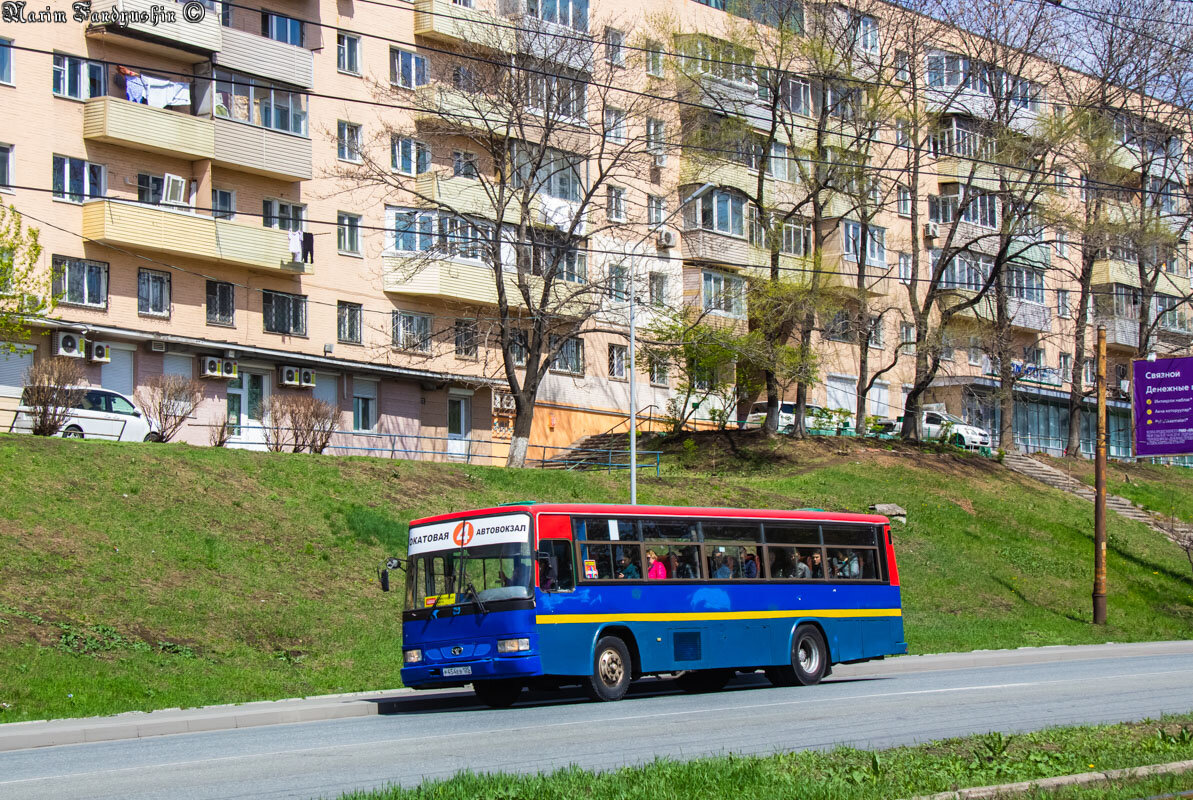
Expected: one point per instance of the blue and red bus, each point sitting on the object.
(554, 594)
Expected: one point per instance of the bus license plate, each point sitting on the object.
(449, 672)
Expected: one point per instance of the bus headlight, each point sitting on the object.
(512, 645)
(413, 656)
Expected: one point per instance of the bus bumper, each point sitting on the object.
(426, 676)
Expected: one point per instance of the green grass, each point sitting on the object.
(141, 577)
(846, 773)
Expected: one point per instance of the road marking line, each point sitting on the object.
(499, 731)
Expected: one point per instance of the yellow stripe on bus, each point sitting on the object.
(710, 616)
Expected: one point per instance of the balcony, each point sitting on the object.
(443, 109)
(142, 127)
(445, 21)
(1126, 273)
(441, 278)
(262, 151)
(1029, 316)
(181, 233)
(728, 251)
(1121, 330)
(729, 174)
(260, 55)
(955, 169)
(460, 195)
(159, 27)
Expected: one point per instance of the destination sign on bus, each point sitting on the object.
(469, 533)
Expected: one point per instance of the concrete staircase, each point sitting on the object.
(1120, 505)
(593, 452)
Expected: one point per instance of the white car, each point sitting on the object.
(938, 424)
(100, 414)
(757, 416)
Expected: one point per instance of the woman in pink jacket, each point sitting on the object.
(655, 569)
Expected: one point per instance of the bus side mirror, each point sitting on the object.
(383, 573)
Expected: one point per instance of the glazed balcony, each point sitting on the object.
(445, 21)
(142, 127)
(181, 233)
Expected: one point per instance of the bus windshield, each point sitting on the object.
(496, 572)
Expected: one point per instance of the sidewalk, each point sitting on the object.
(139, 724)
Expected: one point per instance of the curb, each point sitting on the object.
(1083, 779)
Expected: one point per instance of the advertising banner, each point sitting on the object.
(1162, 400)
(469, 533)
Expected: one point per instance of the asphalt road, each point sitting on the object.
(426, 737)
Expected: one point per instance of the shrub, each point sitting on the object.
(51, 391)
(168, 401)
(221, 431)
(300, 421)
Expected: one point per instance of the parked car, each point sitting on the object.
(757, 416)
(100, 414)
(939, 424)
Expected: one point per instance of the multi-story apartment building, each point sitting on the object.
(207, 187)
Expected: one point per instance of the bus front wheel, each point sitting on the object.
(497, 693)
(809, 659)
(611, 668)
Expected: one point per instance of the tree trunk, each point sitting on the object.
(1073, 445)
(800, 429)
(1006, 367)
(863, 374)
(772, 403)
(520, 441)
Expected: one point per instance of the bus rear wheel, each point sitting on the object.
(703, 680)
(498, 693)
(611, 670)
(809, 659)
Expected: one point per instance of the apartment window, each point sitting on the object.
(907, 337)
(5, 60)
(407, 69)
(778, 165)
(1063, 309)
(619, 284)
(1089, 372)
(1066, 365)
(348, 141)
(259, 102)
(903, 201)
(149, 188)
(364, 404)
(558, 175)
(519, 347)
(1025, 284)
(281, 28)
(462, 238)
(284, 313)
(851, 233)
(724, 293)
(77, 77)
(466, 338)
(1062, 243)
(464, 79)
(153, 293)
(619, 359)
(348, 322)
(283, 215)
(412, 231)
(615, 126)
(348, 53)
(902, 133)
(902, 66)
(221, 303)
(719, 211)
(615, 47)
(867, 33)
(840, 328)
(656, 140)
(348, 233)
(75, 179)
(616, 203)
(796, 239)
(795, 93)
(223, 203)
(464, 164)
(1033, 356)
(656, 210)
(5, 166)
(906, 268)
(658, 371)
(412, 331)
(975, 352)
(965, 270)
(572, 13)
(569, 358)
(79, 282)
(654, 59)
(562, 96)
(876, 332)
(409, 156)
(658, 288)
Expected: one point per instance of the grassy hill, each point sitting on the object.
(140, 577)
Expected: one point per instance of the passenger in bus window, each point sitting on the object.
(722, 569)
(749, 567)
(654, 568)
(815, 565)
(627, 569)
(845, 564)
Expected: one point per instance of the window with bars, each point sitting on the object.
(348, 318)
(284, 313)
(569, 358)
(221, 303)
(619, 359)
(153, 293)
(466, 338)
(412, 331)
(80, 282)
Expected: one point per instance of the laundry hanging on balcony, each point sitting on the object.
(156, 92)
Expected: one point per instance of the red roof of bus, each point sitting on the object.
(686, 511)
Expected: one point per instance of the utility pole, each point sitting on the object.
(633, 393)
(1100, 488)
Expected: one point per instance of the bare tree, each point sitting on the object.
(169, 401)
(541, 140)
(221, 431)
(52, 390)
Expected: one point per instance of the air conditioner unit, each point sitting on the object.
(157, 347)
(291, 376)
(307, 378)
(229, 368)
(72, 345)
(216, 367)
(931, 230)
(667, 238)
(100, 352)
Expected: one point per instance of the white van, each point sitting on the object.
(100, 414)
(757, 416)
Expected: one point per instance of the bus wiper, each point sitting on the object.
(470, 589)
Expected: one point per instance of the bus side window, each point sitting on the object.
(557, 572)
